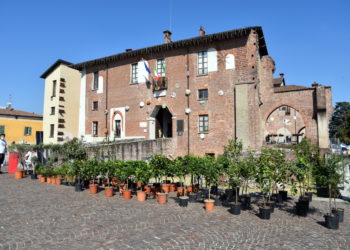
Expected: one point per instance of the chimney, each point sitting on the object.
(314, 84)
(201, 31)
(128, 50)
(282, 75)
(9, 106)
(167, 36)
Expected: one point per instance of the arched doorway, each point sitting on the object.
(163, 122)
(284, 125)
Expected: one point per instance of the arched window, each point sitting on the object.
(230, 61)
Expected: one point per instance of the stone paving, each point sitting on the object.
(37, 215)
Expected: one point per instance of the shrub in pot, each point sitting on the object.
(211, 171)
(181, 170)
(143, 173)
(76, 170)
(108, 172)
(330, 173)
(160, 166)
(91, 170)
(125, 172)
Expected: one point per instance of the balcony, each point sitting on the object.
(160, 84)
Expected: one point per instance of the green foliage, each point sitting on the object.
(142, 171)
(74, 150)
(341, 111)
(344, 131)
(212, 170)
(160, 164)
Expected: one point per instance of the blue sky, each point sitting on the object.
(309, 40)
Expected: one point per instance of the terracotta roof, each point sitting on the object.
(195, 41)
(18, 113)
(278, 81)
(53, 67)
(288, 88)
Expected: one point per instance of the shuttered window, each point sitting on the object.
(2, 129)
(27, 130)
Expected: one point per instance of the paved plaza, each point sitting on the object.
(37, 215)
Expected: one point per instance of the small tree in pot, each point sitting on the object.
(330, 173)
(91, 170)
(142, 175)
(159, 164)
(180, 166)
(211, 170)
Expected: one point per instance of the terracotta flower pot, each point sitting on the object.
(42, 179)
(39, 176)
(18, 174)
(58, 181)
(93, 188)
(147, 189)
(209, 205)
(180, 191)
(127, 194)
(172, 187)
(48, 179)
(141, 195)
(23, 173)
(108, 191)
(165, 188)
(189, 189)
(162, 198)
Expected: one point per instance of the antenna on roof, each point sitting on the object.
(9, 103)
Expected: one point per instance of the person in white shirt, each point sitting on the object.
(3, 150)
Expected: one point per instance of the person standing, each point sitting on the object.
(3, 150)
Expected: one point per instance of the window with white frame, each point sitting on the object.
(134, 73)
(203, 123)
(203, 63)
(94, 128)
(161, 67)
(203, 94)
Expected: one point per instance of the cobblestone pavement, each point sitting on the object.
(37, 215)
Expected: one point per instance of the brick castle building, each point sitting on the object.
(198, 93)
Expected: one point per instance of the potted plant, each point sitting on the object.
(247, 170)
(142, 174)
(330, 173)
(124, 172)
(180, 166)
(211, 173)
(264, 180)
(91, 170)
(107, 171)
(160, 164)
(76, 170)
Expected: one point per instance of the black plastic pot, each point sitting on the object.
(302, 207)
(284, 195)
(246, 201)
(217, 201)
(331, 221)
(65, 183)
(235, 209)
(183, 201)
(272, 205)
(33, 176)
(71, 184)
(214, 190)
(339, 212)
(192, 197)
(78, 187)
(265, 213)
(308, 195)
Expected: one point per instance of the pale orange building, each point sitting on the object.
(20, 126)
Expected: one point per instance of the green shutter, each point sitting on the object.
(2, 129)
(30, 130)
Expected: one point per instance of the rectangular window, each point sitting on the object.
(203, 94)
(202, 63)
(134, 70)
(287, 110)
(53, 110)
(95, 84)
(54, 88)
(180, 127)
(94, 128)
(117, 131)
(94, 105)
(27, 131)
(161, 67)
(203, 123)
(2, 129)
(52, 130)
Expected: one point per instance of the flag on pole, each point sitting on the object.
(146, 67)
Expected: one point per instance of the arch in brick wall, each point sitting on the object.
(117, 112)
(302, 113)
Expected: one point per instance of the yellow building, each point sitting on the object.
(20, 126)
(61, 102)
